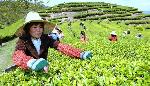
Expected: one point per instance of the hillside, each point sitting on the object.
(11, 11)
(122, 63)
(97, 11)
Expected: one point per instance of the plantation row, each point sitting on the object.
(137, 22)
(83, 15)
(8, 33)
(123, 63)
(76, 9)
(81, 4)
(98, 11)
(98, 5)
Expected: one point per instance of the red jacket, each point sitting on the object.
(25, 50)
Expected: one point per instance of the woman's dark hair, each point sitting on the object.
(60, 31)
(113, 35)
(82, 33)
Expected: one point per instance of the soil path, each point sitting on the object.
(5, 54)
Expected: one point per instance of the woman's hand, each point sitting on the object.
(54, 36)
(86, 55)
(46, 69)
(37, 64)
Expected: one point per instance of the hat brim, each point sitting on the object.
(48, 27)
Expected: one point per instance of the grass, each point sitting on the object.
(10, 30)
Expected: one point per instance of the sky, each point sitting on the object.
(142, 5)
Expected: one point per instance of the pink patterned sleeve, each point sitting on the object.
(21, 59)
(69, 50)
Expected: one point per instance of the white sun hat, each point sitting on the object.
(35, 17)
(113, 33)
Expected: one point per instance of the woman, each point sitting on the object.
(57, 31)
(139, 35)
(83, 37)
(32, 47)
(113, 36)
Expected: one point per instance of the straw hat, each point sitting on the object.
(113, 33)
(35, 17)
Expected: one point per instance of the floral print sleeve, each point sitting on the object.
(19, 57)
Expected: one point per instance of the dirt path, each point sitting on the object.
(6, 53)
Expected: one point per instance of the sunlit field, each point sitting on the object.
(125, 62)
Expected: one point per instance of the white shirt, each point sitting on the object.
(37, 44)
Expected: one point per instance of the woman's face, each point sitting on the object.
(36, 30)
